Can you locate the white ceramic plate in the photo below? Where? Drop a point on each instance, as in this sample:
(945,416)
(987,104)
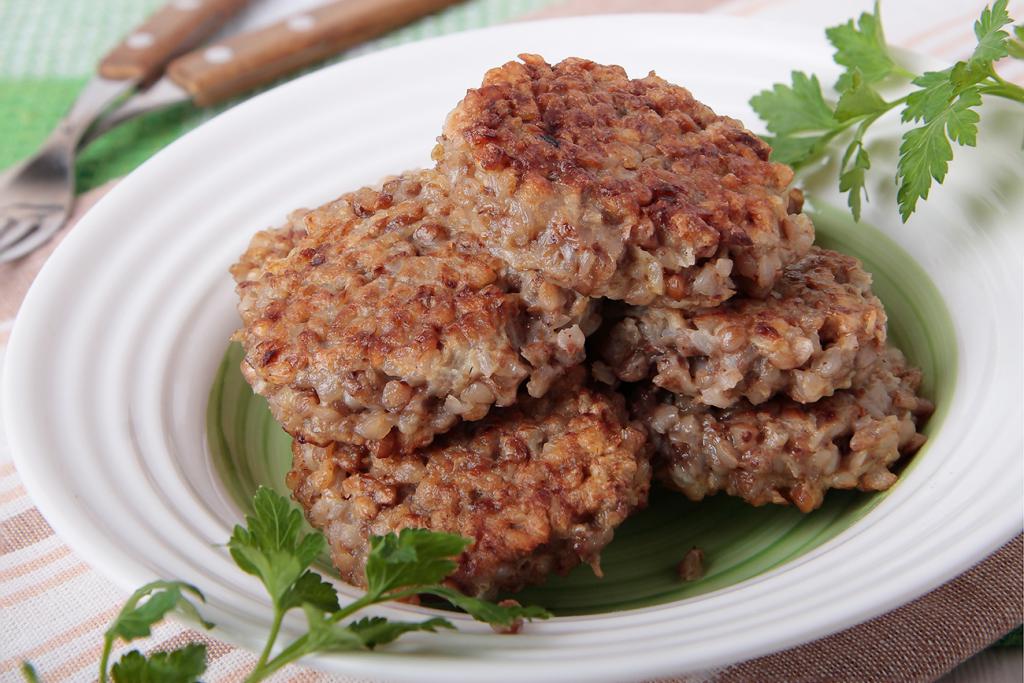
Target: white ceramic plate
(112,357)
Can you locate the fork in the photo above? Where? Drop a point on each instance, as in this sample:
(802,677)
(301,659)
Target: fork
(37,194)
(205,76)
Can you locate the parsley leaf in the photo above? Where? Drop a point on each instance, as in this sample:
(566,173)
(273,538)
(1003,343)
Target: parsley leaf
(796,150)
(852,178)
(799,116)
(485,611)
(374,631)
(1015,46)
(935,92)
(412,558)
(925,152)
(962,120)
(311,589)
(796,108)
(184,665)
(859,99)
(862,47)
(157,599)
(992,40)
(271,546)
(325,635)
(145,607)
(804,125)
(398,566)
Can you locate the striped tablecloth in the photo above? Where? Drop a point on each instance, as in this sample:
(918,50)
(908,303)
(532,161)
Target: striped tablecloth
(54,608)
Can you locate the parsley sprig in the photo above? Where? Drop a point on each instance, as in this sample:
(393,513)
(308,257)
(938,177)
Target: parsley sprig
(274,548)
(942,106)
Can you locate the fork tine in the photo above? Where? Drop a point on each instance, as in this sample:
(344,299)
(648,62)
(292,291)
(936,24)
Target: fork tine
(6,223)
(46,229)
(14,233)
(18,248)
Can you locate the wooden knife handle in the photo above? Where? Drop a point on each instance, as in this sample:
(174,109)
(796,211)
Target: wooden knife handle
(243,62)
(175,28)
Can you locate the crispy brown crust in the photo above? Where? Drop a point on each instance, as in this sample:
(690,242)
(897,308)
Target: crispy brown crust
(808,339)
(628,189)
(379,320)
(269,245)
(785,452)
(539,487)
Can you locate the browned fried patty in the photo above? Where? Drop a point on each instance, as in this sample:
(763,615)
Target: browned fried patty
(627,189)
(269,245)
(786,452)
(372,318)
(539,487)
(820,324)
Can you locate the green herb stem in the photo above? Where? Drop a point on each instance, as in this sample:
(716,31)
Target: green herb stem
(868,120)
(862,123)
(108,645)
(404,593)
(275,628)
(903,73)
(29,672)
(1004,89)
(363,602)
(297,649)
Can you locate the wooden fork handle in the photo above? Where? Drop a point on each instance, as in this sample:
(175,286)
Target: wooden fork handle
(175,28)
(243,62)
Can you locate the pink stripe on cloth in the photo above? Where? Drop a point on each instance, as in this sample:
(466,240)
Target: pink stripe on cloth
(87,659)
(8,601)
(22,530)
(215,649)
(12,494)
(243,669)
(35,563)
(94,622)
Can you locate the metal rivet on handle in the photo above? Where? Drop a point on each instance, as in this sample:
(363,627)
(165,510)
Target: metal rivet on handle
(219,54)
(301,22)
(139,41)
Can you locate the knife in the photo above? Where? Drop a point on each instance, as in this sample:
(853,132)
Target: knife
(173,29)
(229,67)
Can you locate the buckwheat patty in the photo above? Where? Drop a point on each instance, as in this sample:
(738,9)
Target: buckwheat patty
(378,320)
(786,452)
(820,324)
(626,189)
(539,487)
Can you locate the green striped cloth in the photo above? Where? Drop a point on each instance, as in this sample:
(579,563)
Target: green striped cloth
(49,49)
